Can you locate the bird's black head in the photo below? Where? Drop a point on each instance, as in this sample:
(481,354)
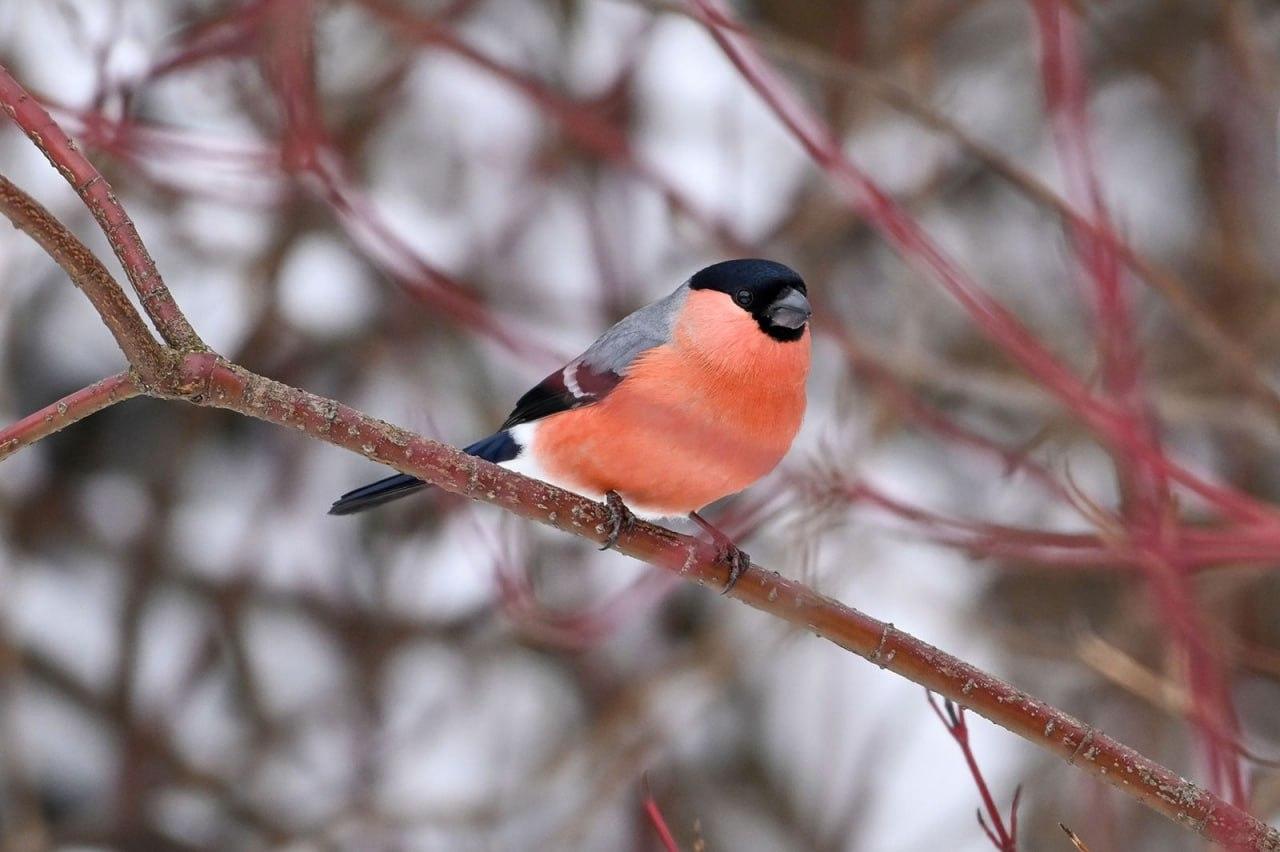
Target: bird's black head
(772,293)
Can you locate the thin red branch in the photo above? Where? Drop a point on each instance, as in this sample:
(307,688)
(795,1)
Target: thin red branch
(97,195)
(232,33)
(1004,839)
(87,273)
(1147,508)
(132,139)
(586,627)
(76,406)
(307,154)
(872,369)
(656,819)
(586,126)
(1201,548)
(1119,352)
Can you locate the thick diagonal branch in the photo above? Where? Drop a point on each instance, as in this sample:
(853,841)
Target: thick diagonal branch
(224,385)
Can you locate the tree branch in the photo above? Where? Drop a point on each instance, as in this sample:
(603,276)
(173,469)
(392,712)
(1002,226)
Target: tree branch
(212,381)
(68,410)
(96,193)
(87,273)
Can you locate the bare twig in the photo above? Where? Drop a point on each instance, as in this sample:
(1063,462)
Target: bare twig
(87,273)
(1147,505)
(658,821)
(585,126)
(97,195)
(76,406)
(1074,838)
(1004,839)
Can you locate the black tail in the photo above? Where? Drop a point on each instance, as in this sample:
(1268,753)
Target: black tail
(498,447)
(376,493)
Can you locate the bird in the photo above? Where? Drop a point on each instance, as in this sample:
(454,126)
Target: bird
(683,402)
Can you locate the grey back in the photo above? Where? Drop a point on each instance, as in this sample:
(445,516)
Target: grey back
(650,326)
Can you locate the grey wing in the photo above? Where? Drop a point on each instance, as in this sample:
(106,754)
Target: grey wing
(646,328)
(593,374)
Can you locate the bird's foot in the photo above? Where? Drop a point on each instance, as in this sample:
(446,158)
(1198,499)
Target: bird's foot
(620,518)
(734,557)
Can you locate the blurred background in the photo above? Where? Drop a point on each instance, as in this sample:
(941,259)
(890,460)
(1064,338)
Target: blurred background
(422,208)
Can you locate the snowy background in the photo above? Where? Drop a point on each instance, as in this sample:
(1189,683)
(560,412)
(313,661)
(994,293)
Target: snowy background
(194,656)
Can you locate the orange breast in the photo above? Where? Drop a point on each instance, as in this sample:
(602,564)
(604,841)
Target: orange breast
(693,421)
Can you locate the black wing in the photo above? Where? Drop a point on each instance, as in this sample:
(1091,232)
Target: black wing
(573,386)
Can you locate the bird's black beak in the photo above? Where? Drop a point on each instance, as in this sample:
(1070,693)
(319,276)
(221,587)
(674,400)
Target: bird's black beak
(790,310)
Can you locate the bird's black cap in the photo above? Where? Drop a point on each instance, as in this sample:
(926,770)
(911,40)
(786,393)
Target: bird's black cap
(752,273)
(773,294)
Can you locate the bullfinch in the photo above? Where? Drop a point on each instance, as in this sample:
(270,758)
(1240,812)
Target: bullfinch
(687,400)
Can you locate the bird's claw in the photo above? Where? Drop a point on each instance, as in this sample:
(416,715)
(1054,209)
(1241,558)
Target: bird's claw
(736,559)
(733,557)
(620,518)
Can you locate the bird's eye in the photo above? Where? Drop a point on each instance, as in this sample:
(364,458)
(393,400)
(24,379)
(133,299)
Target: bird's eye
(743,297)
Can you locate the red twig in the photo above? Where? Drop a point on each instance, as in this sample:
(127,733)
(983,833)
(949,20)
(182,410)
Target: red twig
(1006,840)
(231,34)
(87,273)
(873,370)
(658,822)
(1200,548)
(588,626)
(68,410)
(308,154)
(94,190)
(1062,69)
(587,127)
(1147,509)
